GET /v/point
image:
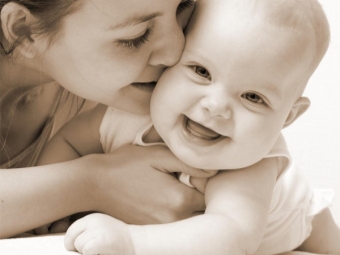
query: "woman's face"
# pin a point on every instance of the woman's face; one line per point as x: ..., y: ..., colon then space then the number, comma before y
x: 113, y: 51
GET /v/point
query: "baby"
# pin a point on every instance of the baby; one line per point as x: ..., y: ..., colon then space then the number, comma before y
x: 222, y: 107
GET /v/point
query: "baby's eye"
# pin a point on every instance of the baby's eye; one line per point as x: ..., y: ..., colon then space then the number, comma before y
x: 201, y: 71
x: 252, y: 97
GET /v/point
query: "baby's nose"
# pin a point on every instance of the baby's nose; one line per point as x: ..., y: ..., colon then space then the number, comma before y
x: 217, y: 105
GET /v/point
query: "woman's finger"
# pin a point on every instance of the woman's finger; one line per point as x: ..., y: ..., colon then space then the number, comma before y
x: 165, y: 161
x: 60, y: 226
x: 43, y: 230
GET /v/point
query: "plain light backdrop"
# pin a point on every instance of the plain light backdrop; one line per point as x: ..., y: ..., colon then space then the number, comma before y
x: 314, y: 139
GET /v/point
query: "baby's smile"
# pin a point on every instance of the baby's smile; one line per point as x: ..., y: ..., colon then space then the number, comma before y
x: 199, y: 130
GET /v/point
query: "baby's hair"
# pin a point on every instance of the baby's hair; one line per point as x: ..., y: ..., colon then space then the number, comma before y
x: 307, y: 18
x: 49, y: 13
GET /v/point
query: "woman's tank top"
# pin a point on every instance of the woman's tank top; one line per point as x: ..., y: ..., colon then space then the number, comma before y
x: 66, y: 108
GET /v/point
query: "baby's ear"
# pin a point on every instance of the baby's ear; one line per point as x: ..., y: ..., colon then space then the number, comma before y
x: 16, y: 22
x: 300, y: 106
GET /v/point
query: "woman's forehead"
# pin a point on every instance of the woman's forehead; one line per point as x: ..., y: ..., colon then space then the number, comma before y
x: 124, y: 13
x: 121, y: 7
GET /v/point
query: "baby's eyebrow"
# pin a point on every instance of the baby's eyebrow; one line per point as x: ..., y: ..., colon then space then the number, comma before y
x: 134, y: 20
x: 274, y: 91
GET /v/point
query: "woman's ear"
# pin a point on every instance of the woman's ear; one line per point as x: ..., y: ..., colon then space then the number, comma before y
x: 16, y: 22
x: 300, y: 106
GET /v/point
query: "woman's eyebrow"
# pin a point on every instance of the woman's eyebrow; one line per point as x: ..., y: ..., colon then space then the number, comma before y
x: 134, y: 20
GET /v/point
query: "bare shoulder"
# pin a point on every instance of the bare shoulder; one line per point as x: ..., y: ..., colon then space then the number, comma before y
x: 88, y: 120
x: 24, y: 114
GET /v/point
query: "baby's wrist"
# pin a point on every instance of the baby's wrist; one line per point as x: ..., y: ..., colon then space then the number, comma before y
x: 138, y: 239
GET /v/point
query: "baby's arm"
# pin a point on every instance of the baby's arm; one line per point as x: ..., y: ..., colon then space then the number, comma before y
x: 77, y: 138
x: 325, y: 236
x: 237, y: 208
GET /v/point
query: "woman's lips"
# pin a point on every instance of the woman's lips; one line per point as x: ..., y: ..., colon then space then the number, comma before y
x: 148, y: 86
x: 200, y: 131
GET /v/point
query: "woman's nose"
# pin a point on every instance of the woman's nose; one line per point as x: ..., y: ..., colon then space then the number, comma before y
x: 169, y: 48
x: 217, y: 105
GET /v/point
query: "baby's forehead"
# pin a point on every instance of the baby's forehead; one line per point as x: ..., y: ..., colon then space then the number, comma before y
x: 302, y: 22
x: 284, y: 14
x: 299, y: 16
x: 226, y: 20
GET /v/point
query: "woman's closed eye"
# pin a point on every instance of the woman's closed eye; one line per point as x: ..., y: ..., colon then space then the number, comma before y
x: 185, y: 5
x: 135, y: 43
x: 252, y: 97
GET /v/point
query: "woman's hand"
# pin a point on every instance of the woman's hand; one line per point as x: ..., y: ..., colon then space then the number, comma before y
x: 59, y: 226
x: 133, y: 184
x: 129, y: 184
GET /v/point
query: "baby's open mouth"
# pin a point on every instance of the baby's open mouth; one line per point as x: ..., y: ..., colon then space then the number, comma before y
x: 200, y: 131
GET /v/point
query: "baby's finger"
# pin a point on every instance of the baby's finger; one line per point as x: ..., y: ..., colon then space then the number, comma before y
x: 83, y: 242
x: 91, y: 247
x: 72, y: 233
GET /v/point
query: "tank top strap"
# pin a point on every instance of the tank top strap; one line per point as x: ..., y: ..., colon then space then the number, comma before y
x: 31, y: 154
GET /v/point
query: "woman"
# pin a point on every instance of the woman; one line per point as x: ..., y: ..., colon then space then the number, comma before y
x: 107, y: 51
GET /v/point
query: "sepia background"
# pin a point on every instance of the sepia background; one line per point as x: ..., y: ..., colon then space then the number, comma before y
x: 314, y: 139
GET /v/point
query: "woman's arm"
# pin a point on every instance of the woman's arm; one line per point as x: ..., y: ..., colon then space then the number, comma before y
x: 34, y: 196
x: 129, y: 190
x: 81, y: 137
x: 234, y: 222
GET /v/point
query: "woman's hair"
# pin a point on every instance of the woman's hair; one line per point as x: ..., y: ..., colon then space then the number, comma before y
x: 49, y: 14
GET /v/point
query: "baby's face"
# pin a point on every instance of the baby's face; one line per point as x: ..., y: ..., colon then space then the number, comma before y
x: 224, y: 104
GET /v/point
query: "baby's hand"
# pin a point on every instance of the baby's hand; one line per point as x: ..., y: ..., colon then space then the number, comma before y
x: 99, y: 234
